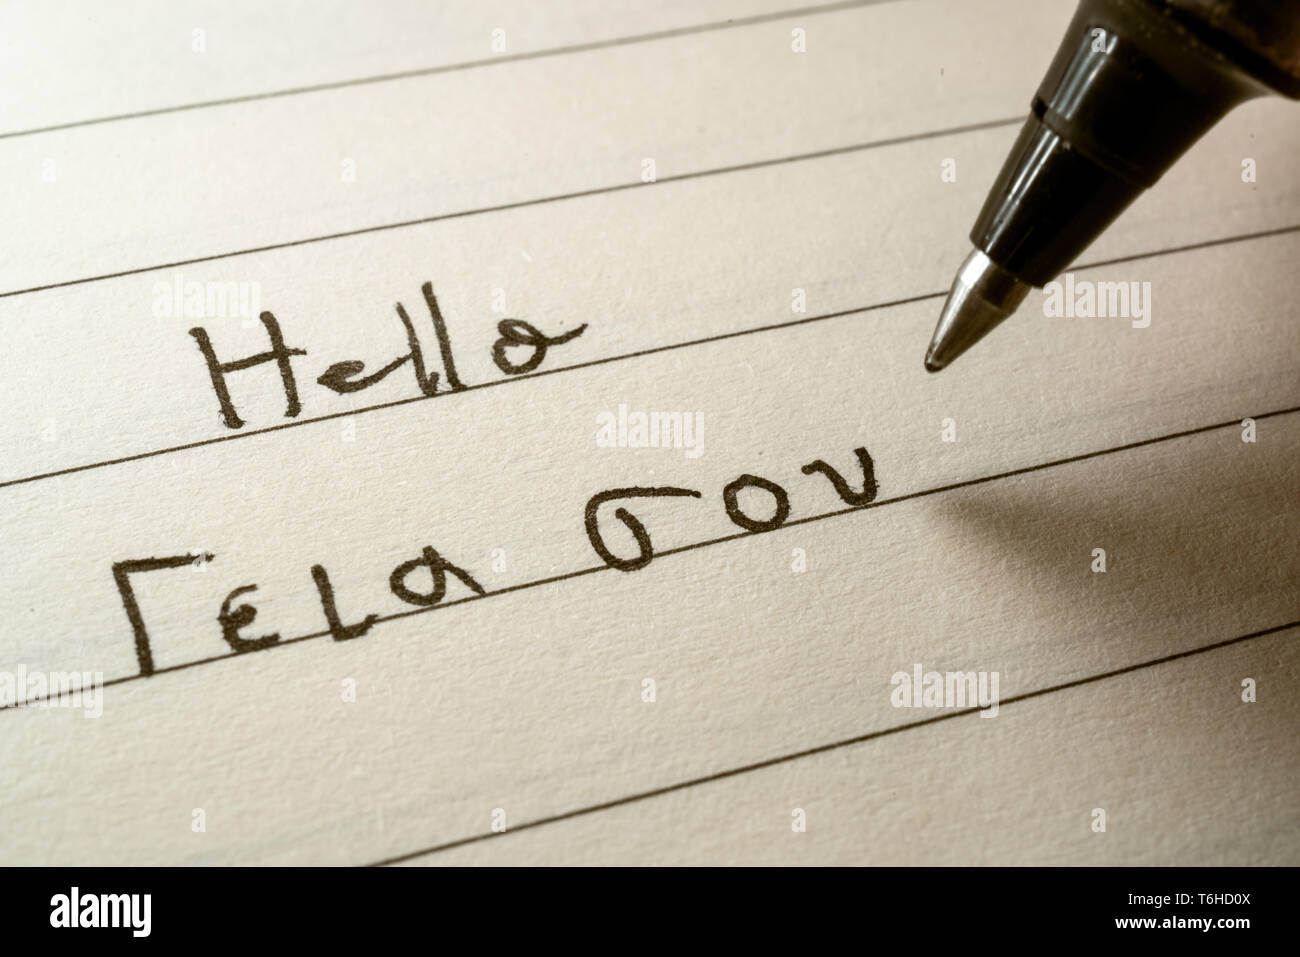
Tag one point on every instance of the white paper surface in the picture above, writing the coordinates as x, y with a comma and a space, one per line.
774, 285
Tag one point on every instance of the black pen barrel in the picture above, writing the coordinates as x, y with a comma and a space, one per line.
1133, 85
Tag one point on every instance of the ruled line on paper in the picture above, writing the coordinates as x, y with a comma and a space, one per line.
696, 546
636, 354
536, 201
496, 60
832, 746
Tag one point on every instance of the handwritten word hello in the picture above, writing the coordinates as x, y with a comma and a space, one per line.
350, 374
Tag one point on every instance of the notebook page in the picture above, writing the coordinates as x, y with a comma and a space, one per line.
480, 283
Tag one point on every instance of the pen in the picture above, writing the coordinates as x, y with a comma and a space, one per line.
1133, 85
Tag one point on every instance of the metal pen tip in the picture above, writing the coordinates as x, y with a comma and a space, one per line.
982, 295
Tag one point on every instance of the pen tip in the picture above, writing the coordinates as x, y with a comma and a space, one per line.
982, 295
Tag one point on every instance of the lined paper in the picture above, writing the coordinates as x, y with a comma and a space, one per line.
775, 280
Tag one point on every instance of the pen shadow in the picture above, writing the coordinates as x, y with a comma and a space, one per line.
1177, 543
